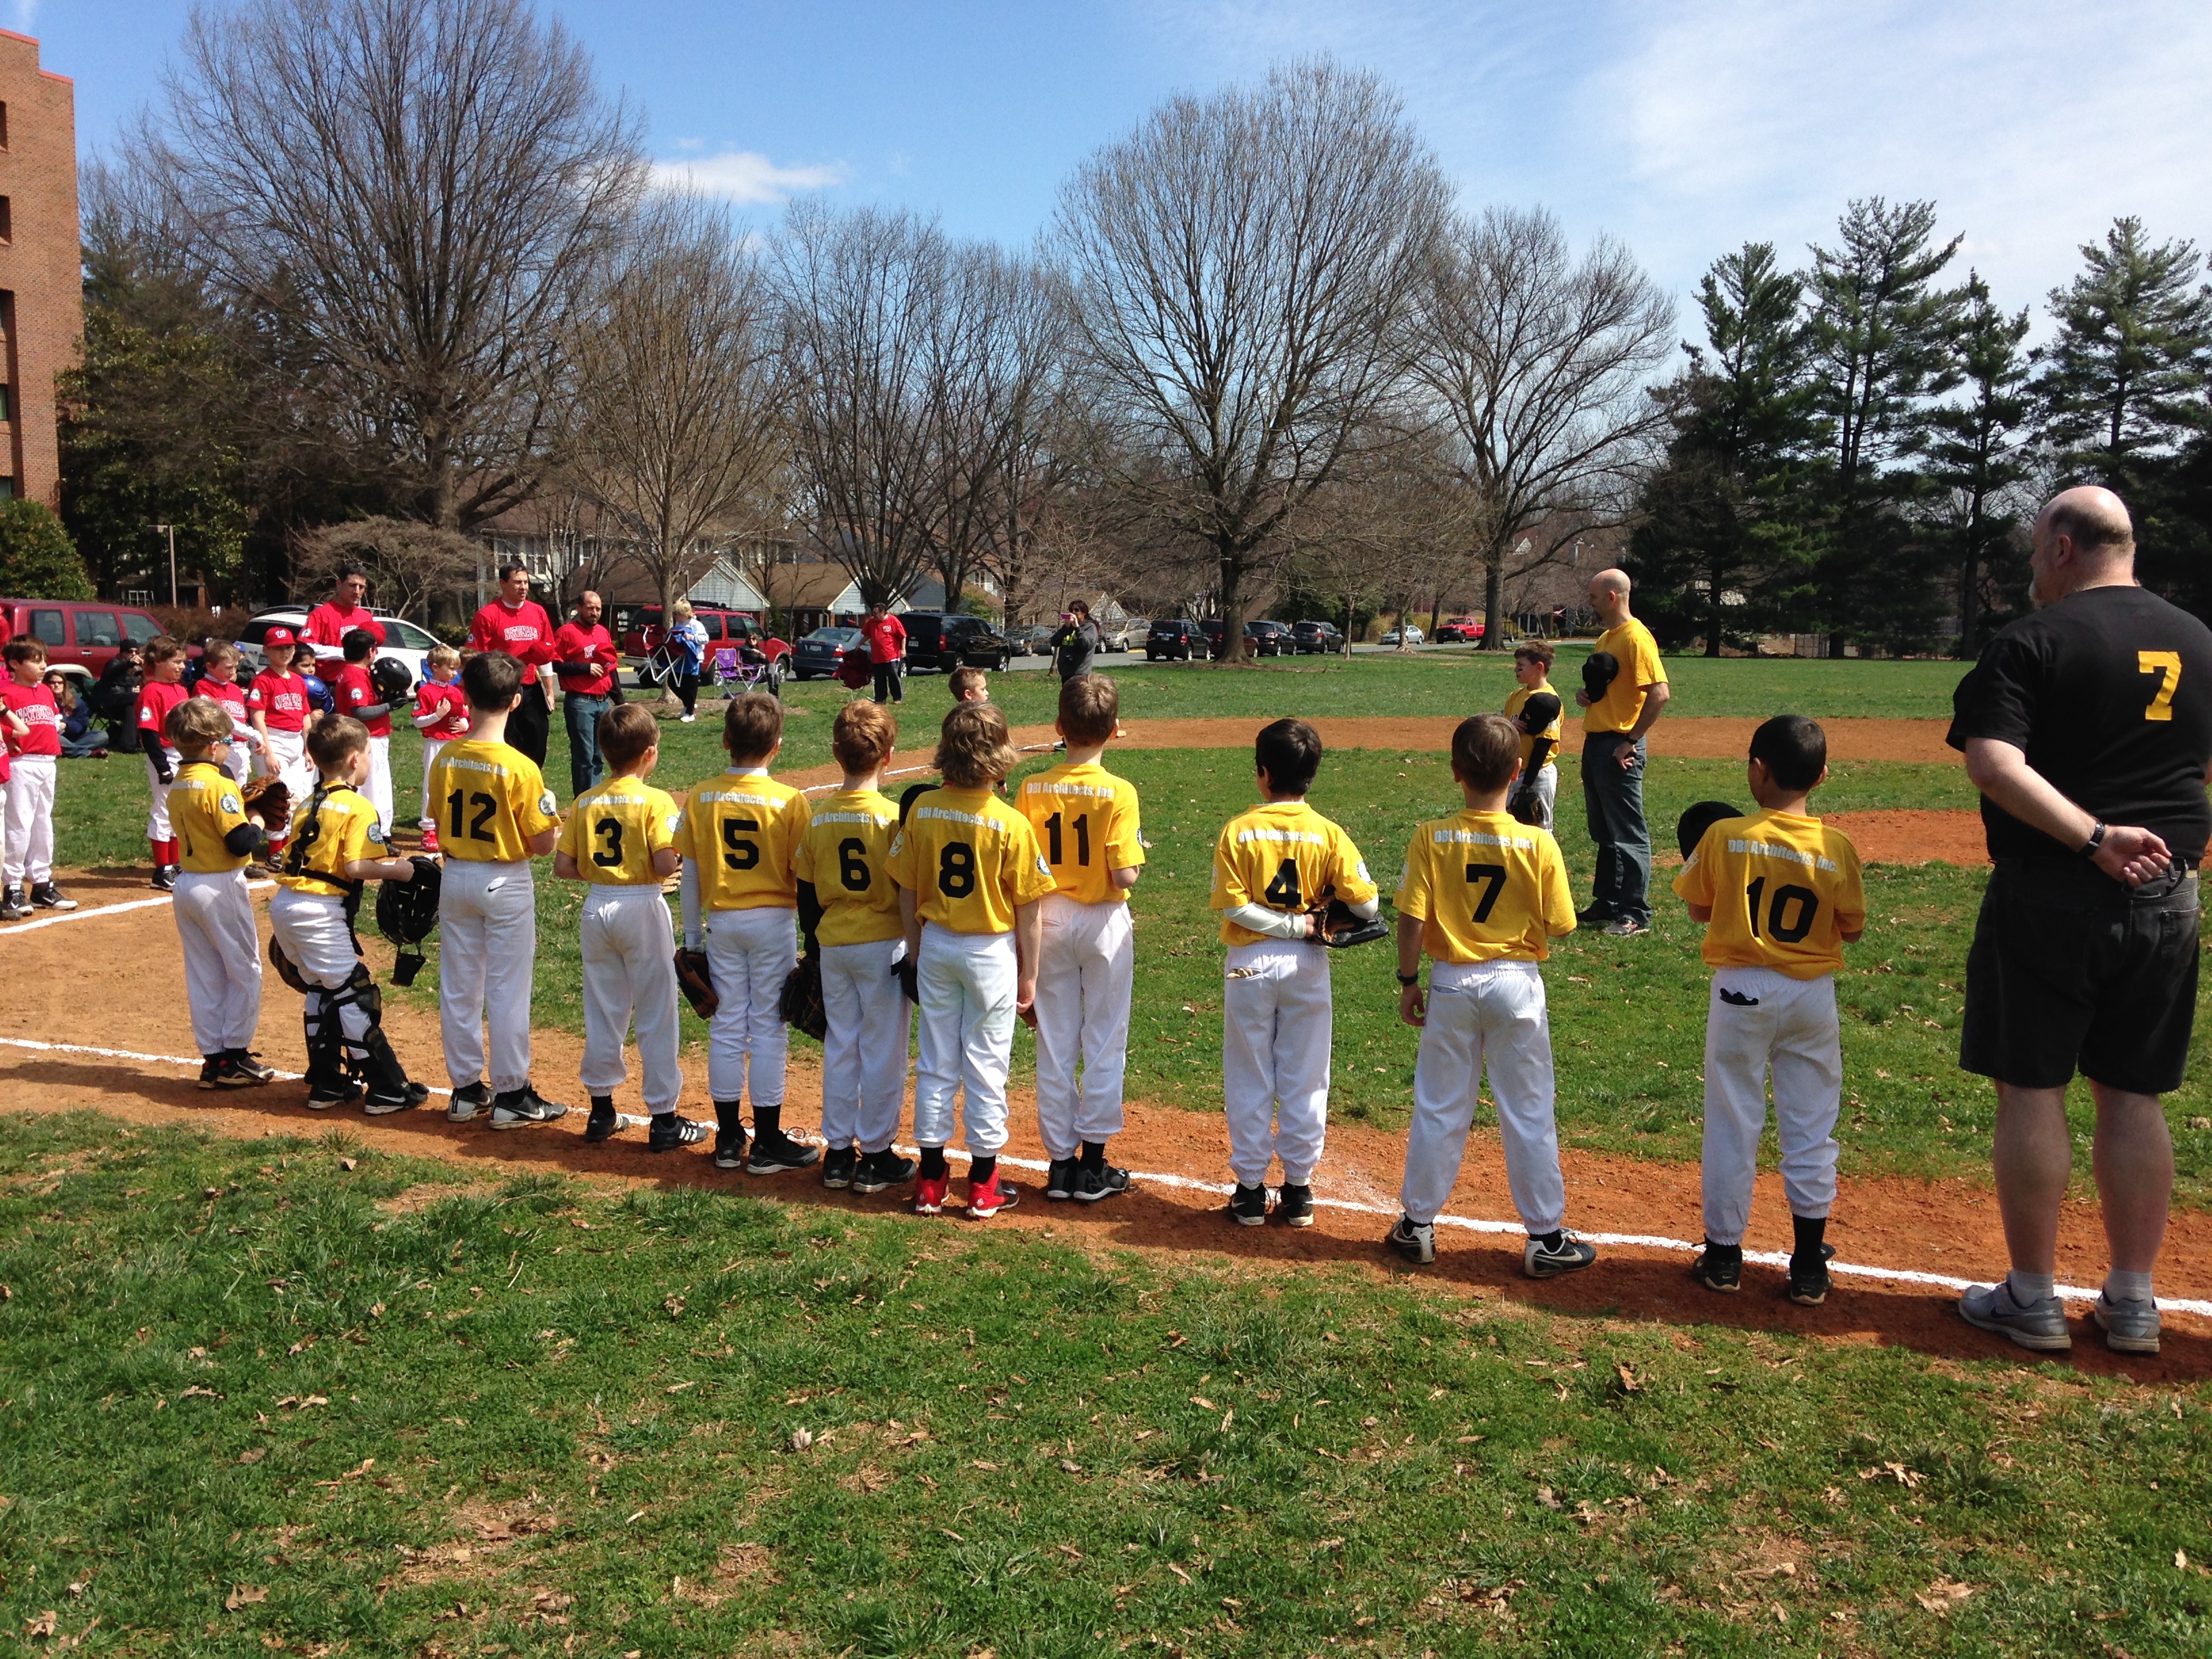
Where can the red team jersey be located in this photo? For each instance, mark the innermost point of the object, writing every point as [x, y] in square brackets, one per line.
[35, 706]
[452, 704]
[524, 633]
[353, 691]
[155, 703]
[327, 626]
[282, 700]
[594, 644]
[229, 693]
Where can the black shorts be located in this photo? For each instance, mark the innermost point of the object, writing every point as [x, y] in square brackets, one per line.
[2069, 970]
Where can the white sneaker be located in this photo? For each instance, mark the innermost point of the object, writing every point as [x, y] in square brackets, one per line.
[2129, 1326]
[687, 720]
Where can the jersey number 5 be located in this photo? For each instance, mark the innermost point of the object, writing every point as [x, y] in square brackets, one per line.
[2166, 664]
[479, 827]
[738, 854]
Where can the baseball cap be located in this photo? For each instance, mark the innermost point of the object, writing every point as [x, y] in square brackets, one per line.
[277, 637]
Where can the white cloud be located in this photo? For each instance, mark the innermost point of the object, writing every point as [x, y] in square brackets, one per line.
[744, 176]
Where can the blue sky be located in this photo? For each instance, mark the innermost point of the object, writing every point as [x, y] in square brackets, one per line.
[1684, 128]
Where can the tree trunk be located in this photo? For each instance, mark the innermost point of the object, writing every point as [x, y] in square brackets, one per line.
[1713, 612]
[1493, 597]
[1232, 602]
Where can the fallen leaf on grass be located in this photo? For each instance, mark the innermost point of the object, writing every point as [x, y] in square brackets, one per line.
[245, 1595]
[980, 1464]
[2181, 1559]
[1945, 1593]
[1069, 1551]
[1180, 1573]
[1203, 1403]
[1630, 1383]
[678, 1388]
[195, 1391]
[801, 1439]
[1906, 1478]
[254, 1454]
[40, 1628]
[349, 1164]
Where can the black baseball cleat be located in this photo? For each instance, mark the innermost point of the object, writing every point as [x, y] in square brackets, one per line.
[1294, 1205]
[243, 1060]
[382, 1103]
[47, 897]
[468, 1100]
[672, 1130]
[523, 1109]
[1810, 1285]
[211, 1071]
[730, 1148]
[165, 877]
[324, 1096]
[604, 1122]
[1060, 1179]
[14, 906]
[1719, 1267]
[838, 1166]
[1248, 1206]
[775, 1152]
[1413, 1241]
[1099, 1181]
[878, 1170]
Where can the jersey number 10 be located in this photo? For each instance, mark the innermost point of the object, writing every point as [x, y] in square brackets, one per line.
[1782, 926]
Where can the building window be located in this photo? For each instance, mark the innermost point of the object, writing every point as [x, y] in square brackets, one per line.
[4, 126]
[7, 490]
[7, 402]
[7, 221]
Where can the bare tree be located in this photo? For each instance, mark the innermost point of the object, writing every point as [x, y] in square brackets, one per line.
[1378, 538]
[681, 430]
[1537, 364]
[414, 193]
[861, 297]
[409, 565]
[1243, 264]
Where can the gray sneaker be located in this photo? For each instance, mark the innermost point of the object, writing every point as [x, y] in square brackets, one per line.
[2129, 1326]
[1413, 1241]
[1541, 1259]
[1625, 928]
[468, 1100]
[2041, 1326]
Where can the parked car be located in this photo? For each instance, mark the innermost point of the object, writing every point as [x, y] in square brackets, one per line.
[637, 631]
[1408, 634]
[1031, 642]
[1259, 640]
[1460, 628]
[821, 652]
[81, 637]
[1115, 636]
[1175, 641]
[936, 641]
[1269, 638]
[403, 639]
[1315, 638]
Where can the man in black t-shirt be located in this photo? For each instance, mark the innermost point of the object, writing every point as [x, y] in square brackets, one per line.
[2088, 727]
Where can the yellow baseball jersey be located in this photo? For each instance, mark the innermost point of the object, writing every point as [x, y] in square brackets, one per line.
[1286, 856]
[1784, 888]
[204, 808]
[847, 853]
[328, 836]
[1085, 820]
[741, 828]
[1486, 888]
[970, 860]
[1513, 706]
[489, 799]
[613, 832]
[1638, 655]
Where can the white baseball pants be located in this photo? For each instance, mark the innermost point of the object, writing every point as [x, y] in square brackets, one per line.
[311, 929]
[222, 959]
[286, 759]
[380, 781]
[968, 982]
[1759, 1021]
[863, 1052]
[629, 970]
[29, 854]
[432, 748]
[1486, 1014]
[1547, 793]
[1276, 1017]
[157, 802]
[751, 953]
[1086, 965]
[487, 955]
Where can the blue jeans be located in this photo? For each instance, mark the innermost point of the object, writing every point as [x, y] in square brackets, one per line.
[1612, 801]
[582, 714]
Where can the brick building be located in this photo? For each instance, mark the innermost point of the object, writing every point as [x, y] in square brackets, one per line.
[41, 291]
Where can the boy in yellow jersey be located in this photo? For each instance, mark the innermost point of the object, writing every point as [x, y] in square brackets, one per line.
[1085, 818]
[1274, 866]
[739, 834]
[494, 814]
[848, 908]
[336, 845]
[1534, 797]
[970, 875]
[1780, 895]
[1484, 895]
[620, 839]
[216, 837]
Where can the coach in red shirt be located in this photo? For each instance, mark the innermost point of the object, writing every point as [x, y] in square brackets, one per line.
[886, 637]
[517, 624]
[329, 622]
[585, 662]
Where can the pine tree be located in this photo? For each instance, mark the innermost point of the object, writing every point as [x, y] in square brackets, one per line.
[1975, 448]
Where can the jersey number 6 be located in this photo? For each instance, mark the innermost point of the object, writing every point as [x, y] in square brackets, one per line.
[852, 864]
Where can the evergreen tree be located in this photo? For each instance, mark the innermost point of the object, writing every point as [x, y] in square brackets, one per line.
[1975, 453]
[38, 561]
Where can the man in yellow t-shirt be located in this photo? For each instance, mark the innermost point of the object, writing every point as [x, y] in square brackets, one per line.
[1273, 867]
[1780, 895]
[1617, 711]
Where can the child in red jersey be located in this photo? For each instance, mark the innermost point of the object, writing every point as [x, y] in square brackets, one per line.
[163, 691]
[277, 703]
[32, 748]
[356, 695]
[219, 681]
[441, 714]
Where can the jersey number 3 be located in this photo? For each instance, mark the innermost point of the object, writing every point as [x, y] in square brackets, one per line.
[2166, 664]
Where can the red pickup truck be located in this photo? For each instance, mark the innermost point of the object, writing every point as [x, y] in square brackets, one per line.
[80, 636]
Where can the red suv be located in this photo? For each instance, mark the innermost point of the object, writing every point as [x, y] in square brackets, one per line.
[80, 635]
[638, 630]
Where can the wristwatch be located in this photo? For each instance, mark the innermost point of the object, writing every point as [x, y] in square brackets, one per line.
[2096, 840]
[1409, 979]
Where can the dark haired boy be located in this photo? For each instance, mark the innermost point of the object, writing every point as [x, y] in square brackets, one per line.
[1484, 895]
[1274, 867]
[356, 694]
[1780, 895]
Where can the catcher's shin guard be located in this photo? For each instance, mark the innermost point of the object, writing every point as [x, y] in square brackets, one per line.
[368, 1057]
[326, 1070]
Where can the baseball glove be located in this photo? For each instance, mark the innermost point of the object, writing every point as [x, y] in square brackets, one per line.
[271, 801]
[287, 970]
[1341, 929]
[1599, 669]
[1691, 828]
[1527, 806]
[696, 981]
[801, 1006]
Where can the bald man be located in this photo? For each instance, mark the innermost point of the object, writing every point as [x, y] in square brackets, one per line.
[586, 663]
[1614, 727]
[2087, 728]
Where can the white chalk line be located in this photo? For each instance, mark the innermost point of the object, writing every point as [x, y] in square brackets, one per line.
[81, 915]
[1470, 1224]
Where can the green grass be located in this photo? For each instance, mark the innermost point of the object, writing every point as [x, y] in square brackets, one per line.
[259, 1398]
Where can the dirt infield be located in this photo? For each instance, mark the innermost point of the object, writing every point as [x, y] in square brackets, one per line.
[1947, 1227]
[1914, 837]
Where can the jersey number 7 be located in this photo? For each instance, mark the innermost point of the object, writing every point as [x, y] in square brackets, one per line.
[1494, 876]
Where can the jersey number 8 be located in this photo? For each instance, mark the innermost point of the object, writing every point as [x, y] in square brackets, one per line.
[956, 870]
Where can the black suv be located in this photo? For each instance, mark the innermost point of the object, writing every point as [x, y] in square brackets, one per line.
[1315, 638]
[934, 640]
[1175, 641]
[1259, 640]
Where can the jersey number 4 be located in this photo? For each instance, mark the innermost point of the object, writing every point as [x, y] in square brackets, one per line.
[1283, 891]
[1784, 925]
[479, 827]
